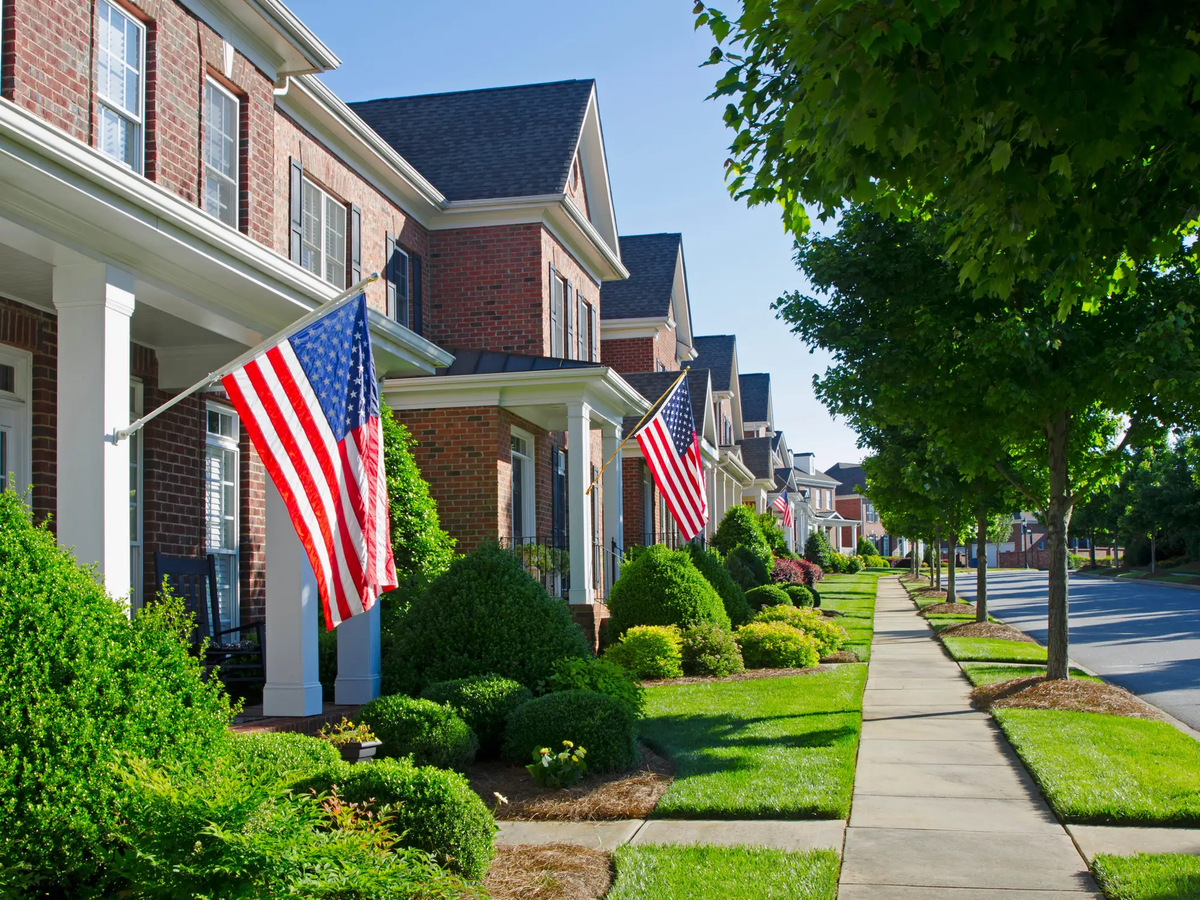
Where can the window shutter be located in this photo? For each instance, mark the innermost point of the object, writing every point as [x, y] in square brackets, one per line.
[355, 244]
[555, 303]
[568, 323]
[415, 265]
[296, 222]
[594, 333]
[400, 272]
[389, 251]
[581, 352]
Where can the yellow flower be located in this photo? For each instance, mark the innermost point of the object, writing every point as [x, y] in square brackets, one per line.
[545, 751]
[568, 744]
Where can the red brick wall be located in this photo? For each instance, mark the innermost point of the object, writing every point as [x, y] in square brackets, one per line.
[666, 350]
[31, 329]
[627, 355]
[252, 530]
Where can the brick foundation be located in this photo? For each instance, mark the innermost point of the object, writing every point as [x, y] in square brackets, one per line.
[590, 620]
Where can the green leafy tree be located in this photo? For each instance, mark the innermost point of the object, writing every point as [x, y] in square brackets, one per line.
[1063, 138]
[818, 550]
[772, 533]
[739, 525]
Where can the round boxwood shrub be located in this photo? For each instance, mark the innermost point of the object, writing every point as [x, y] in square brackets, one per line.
[432, 734]
[431, 809]
[662, 587]
[748, 566]
[739, 525]
[768, 595]
[799, 594]
[82, 685]
[829, 637]
[599, 724]
[485, 615]
[602, 676]
[774, 645]
[709, 650]
[484, 702]
[284, 755]
[649, 651]
[708, 561]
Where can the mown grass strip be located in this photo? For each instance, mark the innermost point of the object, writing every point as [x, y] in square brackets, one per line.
[666, 872]
[968, 649]
[854, 597]
[1148, 876]
[983, 674]
[773, 748]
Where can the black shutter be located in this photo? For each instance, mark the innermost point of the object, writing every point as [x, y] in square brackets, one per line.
[415, 265]
[355, 244]
[295, 219]
[389, 275]
[555, 303]
[568, 323]
[558, 498]
[400, 276]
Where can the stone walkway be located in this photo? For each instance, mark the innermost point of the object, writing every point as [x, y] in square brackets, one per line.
[943, 809]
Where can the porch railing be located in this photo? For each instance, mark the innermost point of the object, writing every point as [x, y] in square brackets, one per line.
[672, 539]
[606, 568]
[547, 558]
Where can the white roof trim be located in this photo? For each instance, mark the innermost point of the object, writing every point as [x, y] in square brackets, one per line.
[267, 33]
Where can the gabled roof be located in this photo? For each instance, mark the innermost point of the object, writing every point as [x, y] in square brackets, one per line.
[851, 477]
[784, 480]
[756, 453]
[821, 478]
[716, 352]
[756, 397]
[652, 385]
[487, 362]
[651, 260]
[487, 144]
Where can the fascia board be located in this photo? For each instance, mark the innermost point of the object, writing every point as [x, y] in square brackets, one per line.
[268, 34]
[622, 329]
[286, 23]
[592, 132]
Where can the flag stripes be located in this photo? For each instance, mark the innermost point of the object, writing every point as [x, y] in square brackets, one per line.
[672, 452]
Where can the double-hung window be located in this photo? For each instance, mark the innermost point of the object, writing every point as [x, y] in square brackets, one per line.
[221, 121]
[523, 510]
[120, 84]
[323, 236]
[221, 506]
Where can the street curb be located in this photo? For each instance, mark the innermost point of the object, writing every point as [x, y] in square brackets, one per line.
[1146, 581]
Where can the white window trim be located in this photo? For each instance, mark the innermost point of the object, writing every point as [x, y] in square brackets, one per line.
[140, 118]
[209, 171]
[529, 482]
[20, 402]
[322, 211]
[227, 443]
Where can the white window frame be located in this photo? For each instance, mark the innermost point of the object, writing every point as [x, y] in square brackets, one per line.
[211, 171]
[226, 443]
[137, 504]
[319, 255]
[136, 117]
[529, 489]
[17, 407]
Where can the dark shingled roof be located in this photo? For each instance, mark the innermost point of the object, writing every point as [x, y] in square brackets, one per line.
[499, 142]
[851, 477]
[487, 362]
[715, 351]
[653, 385]
[756, 454]
[646, 293]
[784, 480]
[756, 391]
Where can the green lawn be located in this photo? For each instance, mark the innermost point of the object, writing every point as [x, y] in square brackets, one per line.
[854, 597]
[969, 649]
[661, 872]
[1108, 770]
[982, 673]
[1165, 876]
[772, 748]
[945, 620]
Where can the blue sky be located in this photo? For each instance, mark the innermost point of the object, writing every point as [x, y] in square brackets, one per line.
[666, 147]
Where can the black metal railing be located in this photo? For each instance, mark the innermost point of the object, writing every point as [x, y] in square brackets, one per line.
[672, 539]
[606, 568]
[546, 558]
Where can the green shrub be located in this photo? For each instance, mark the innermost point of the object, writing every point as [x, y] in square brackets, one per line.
[662, 587]
[432, 734]
[327, 644]
[739, 525]
[829, 637]
[484, 616]
[749, 567]
[484, 702]
[599, 724]
[839, 563]
[774, 645]
[708, 561]
[799, 594]
[709, 650]
[865, 547]
[875, 562]
[81, 685]
[558, 770]
[602, 676]
[649, 651]
[818, 550]
[431, 809]
[283, 756]
[853, 565]
[768, 595]
[773, 533]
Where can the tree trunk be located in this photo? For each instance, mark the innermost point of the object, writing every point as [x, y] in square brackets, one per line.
[981, 613]
[1092, 547]
[951, 596]
[937, 556]
[1057, 519]
[1153, 552]
[916, 563]
[929, 550]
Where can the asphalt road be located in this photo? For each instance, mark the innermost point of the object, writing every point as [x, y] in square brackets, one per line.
[1144, 638]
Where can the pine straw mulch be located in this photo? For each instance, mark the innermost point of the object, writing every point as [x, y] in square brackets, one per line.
[986, 630]
[949, 609]
[598, 797]
[1074, 695]
[748, 675]
[841, 656]
[926, 593]
[548, 872]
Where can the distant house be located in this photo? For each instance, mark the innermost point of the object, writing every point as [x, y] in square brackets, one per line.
[853, 504]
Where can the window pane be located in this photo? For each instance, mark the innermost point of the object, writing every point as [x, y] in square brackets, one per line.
[119, 59]
[335, 242]
[118, 137]
[518, 498]
[310, 216]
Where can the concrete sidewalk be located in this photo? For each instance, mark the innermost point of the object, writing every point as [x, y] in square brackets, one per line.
[942, 809]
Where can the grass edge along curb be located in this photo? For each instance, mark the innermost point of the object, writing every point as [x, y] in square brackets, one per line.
[669, 872]
[1147, 876]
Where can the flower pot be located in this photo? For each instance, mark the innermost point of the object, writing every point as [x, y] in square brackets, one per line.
[358, 751]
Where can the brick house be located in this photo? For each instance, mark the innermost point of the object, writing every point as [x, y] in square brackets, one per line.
[819, 507]
[853, 505]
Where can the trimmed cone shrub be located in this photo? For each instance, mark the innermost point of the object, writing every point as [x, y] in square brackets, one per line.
[80, 685]
[649, 651]
[768, 595]
[865, 547]
[739, 525]
[602, 676]
[829, 637]
[801, 596]
[283, 755]
[708, 561]
[749, 566]
[662, 587]
[818, 550]
[598, 724]
[432, 734]
[482, 701]
[431, 809]
[774, 645]
[484, 616]
[710, 651]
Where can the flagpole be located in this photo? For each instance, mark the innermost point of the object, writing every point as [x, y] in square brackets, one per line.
[120, 434]
[652, 408]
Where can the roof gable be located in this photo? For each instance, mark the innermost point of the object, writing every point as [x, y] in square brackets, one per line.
[716, 352]
[652, 260]
[851, 478]
[652, 385]
[756, 453]
[756, 396]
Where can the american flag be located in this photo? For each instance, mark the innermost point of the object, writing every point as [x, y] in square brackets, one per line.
[781, 503]
[672, 451]
[311, 406]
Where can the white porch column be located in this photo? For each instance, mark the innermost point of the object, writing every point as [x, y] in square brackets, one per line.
[358, 676]
[94, 302]
[578, 503]
[614, 500]
[293, 685]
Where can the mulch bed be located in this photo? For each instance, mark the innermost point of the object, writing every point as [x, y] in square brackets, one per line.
[598, 797]
[930, 593]
[1073, 695]
[952, 609]
[548, 872]
[986, 630]
[841, 656]
[748, 675]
